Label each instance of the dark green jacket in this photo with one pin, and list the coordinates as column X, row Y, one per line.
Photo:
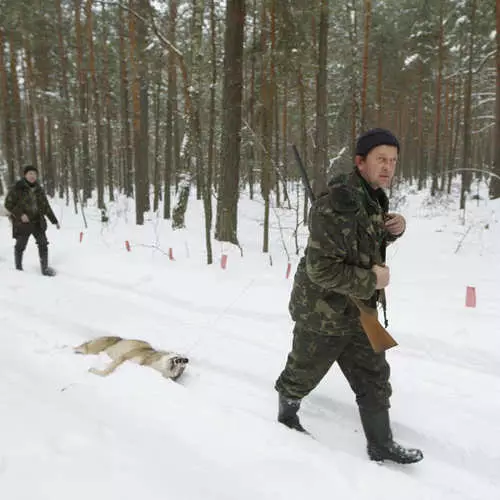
column 346, row 238
column 31, row 200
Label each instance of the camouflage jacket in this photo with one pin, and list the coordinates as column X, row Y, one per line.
column 346, row 238
column 23, row 198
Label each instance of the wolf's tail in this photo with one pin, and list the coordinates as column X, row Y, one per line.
column 95, row 346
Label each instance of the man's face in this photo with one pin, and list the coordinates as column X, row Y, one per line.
column 30, row 176
column 379, row 165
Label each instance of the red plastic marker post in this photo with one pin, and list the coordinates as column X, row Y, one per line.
column 288, row 270
column 127, row 245
column 171, row 254
column 81, row 236
column 223, row 261
column 470, row 297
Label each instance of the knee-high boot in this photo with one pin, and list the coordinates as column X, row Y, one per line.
column 380, row 445
column 43, row 252
column 18, row 258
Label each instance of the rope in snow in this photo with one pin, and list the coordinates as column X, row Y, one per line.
column 222, row 314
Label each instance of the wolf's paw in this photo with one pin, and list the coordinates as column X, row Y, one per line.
column 95, row 371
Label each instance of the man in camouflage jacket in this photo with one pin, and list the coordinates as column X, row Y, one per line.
column 349, row 227
column 28, row 206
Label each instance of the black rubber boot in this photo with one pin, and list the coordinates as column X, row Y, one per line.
column 18, row 258
column 380, row 445
column 287, row 414
column 44, row 262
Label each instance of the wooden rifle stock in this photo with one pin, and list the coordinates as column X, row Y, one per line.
column 380, row 339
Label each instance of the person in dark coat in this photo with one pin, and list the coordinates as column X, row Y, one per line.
column 344, row 261
column 27, row 205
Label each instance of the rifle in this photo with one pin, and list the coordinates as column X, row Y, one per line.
column 303, row 174
column 380, row 339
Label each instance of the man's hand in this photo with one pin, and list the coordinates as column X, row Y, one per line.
column 383, row 276
column 395, row 224
column 25, row 218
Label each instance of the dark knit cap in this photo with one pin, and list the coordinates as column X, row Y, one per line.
column 30, row 168
column 373, row 138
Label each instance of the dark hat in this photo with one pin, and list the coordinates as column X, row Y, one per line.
column 373, row 138
column 30, row 168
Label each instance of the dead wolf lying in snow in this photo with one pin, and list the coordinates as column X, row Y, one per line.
column 169, row 364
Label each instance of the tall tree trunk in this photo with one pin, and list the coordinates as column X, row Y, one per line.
column 404, row 125
column 275, row 111
column 170, row 159
column 495, row 183
column 45, row 117
column 30, row 96
column 446, row 135
column 68, row 133
column 452, row 134
column 380, row 69
column 207, row 195
column 6, row 102
column 156, row 160
column 16, row 104
column 83, row 96
column 176, row 164
column 213, row 86
column 227, row 216
column 266, row 176
column 366, row 50
column 321, row 149
column 284, row 121
column 50, row 167
column 303, row 133
column 128, row 175
column 353, row 37
column 437, row 118
column 137, row 127
column 466, row 159
column 42, row 144
column 108, row 111
column 194, row 141
column 97, row 109
column 198, row 10
column 421, row 166
column 265, row 118
column 253, row 98
column 458, row 129
column 142, row 72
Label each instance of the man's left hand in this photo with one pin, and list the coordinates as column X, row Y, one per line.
column 395, row 224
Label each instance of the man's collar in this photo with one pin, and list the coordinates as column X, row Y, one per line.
column 375, row 196
column 30, row 184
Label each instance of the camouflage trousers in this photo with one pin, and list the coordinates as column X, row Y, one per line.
column 313, row 354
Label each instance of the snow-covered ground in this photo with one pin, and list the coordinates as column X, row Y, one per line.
column 68, row 434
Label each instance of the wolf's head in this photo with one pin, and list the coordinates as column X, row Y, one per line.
column 177, row 366
column 173, row 365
